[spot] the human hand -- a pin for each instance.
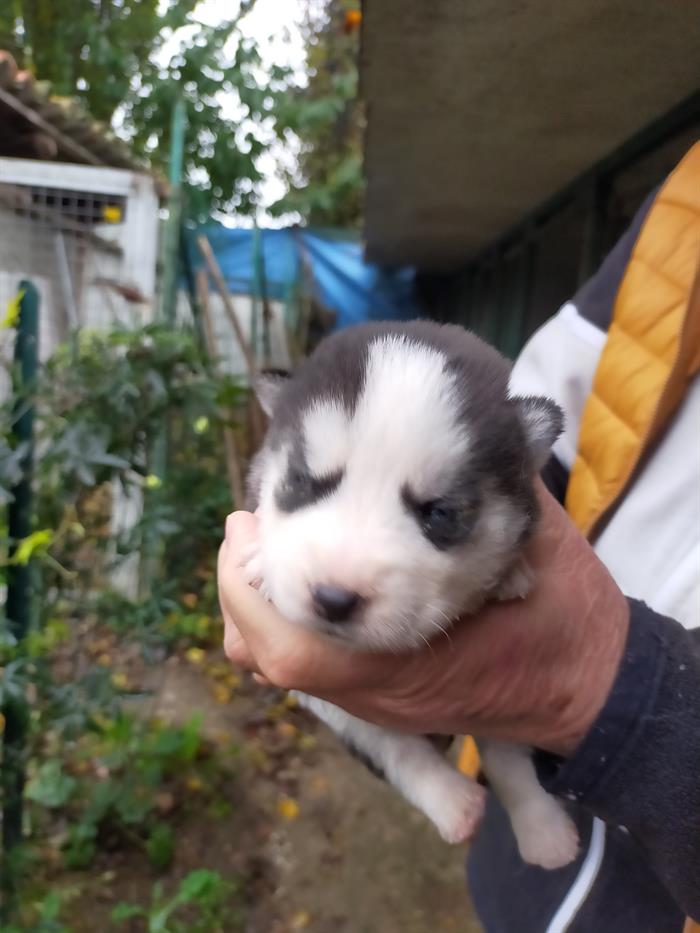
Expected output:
(536, 672)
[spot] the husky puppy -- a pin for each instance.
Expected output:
(395, 494)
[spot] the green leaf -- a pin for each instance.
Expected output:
(50, 786)
(13, 309)
(125, 911)
(81, 849)
(35, 543)
(200, 885)
(160, 845)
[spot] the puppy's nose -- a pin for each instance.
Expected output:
(334, 603)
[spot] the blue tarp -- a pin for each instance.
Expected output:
(355, 290)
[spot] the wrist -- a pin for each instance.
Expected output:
(590, 680)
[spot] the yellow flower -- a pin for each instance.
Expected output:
(194, 784)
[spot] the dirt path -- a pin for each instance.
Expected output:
(323, 845)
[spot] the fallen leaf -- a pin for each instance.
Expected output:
(288, 808)
(222, 693)
(120, 680)
(287, 729)
(300, 920)
(195, 655)
(320, 785)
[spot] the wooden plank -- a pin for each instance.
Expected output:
(216, 274)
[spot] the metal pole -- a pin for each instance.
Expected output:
(171, 244)
(19, 588)
(167, 313)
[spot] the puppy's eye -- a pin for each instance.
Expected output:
(436, 517)
(443, 522)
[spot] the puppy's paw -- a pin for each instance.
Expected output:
(457, 807)
(546, 834)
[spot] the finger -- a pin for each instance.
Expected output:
(241, 534)
(235, 647)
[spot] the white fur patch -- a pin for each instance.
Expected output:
(405, 420)
(326, 437)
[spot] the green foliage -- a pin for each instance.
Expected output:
(46, 917)
(89, 50)
(221, 148)
(326, 188)
(115, 56)
(103, 401)
(160, 845)
(50, 786)
(119, 767)
(203, 896)
(99, 778)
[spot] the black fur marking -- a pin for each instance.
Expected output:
(441, 742)
(365, 760)
(299, 488)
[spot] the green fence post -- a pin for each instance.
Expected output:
(167, 313)
(19, 585)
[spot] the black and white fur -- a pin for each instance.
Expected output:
(395, 494)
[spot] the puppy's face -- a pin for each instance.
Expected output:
(395, 488)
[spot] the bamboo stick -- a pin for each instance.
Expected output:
(233, 463)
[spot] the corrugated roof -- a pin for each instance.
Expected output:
(34, 124)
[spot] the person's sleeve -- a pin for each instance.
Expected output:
(639, 766)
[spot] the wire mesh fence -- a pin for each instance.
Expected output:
(56, 238)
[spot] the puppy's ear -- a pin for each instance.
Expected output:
(543, 421)
(267, 387)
